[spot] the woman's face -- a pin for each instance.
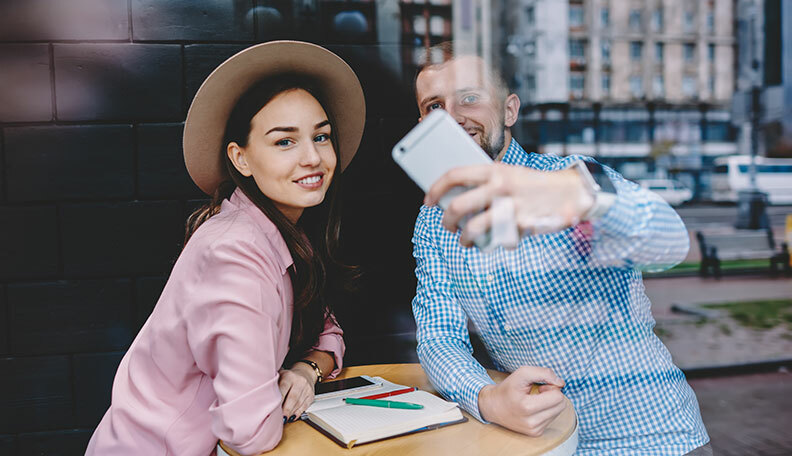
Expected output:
(289, 152)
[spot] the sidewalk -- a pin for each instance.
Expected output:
(747, 414)
(721, 341)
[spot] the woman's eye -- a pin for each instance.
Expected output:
(434, 106)
(283, 142)
(323, 137)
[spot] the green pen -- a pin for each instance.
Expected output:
(385, 404)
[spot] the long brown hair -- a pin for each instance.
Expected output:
(312, 241)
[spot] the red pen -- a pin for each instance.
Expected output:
(389, 394)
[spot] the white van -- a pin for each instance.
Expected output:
(670, 190)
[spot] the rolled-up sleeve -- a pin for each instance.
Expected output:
(232, 331)
(332, 341)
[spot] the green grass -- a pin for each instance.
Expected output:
(764, 314)
(725, 266)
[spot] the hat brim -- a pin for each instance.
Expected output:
(204, 129)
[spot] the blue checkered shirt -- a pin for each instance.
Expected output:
(572, 301)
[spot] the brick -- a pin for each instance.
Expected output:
(57, 443)
(8, 444)
(66, 317)
(35, 394)
(161, 170)
(68, 162)
(148, 291)
(101, 240)
(59, 20)
(28, 242)
(200, 60)
(3, 322)
(387, 94)
(118, 82)
(93, 385)
(196, 20)
(275, 20)
(25, 87)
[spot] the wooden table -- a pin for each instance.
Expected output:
(470, 438)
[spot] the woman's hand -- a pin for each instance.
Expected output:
(297, 390)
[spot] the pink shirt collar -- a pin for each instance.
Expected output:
(241, 201)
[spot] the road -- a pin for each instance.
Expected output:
(703, 216)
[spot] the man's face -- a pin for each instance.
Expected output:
(463, 88)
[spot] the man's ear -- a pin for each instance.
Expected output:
(511, 110)
(237, 156)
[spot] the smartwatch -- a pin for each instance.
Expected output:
(599, 186)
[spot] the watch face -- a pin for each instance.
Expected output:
(600, 177)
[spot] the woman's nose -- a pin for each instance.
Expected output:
(310, 156)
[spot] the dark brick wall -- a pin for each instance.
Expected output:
(94, 193)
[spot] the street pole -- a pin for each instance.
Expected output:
(751, 213)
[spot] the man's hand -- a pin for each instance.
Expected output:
(544, 201)
(510, 404)
(297, 389)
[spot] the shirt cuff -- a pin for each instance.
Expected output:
(473, 385)
(620, 218)
(334, 344)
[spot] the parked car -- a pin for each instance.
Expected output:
(670, 190)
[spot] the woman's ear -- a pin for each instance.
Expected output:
(237, 156)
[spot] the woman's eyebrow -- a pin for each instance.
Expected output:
(287, 129)
(322, 124)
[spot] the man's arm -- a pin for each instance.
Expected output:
(444, 347)
(639, 230)
(446, 354)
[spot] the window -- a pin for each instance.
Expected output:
(689, 86)
(657, 20)
(635, 20)
(689, 52)
(635, 50)
(576, 15)
(636, 86)
(710, 22)
(606, 84)
(577, 52)
(711, 86)
(689, 21)
(658, 86)
(606, 51)
(530, 15)
(711, 53)
(659, 52)
(605, 17)
(530, 82)
(576, 84)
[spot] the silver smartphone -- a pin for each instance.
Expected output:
(432, 148)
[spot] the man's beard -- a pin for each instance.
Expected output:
(493, 147)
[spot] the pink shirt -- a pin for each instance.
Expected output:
(205, 365)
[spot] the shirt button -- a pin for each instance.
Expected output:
(507, 328)
(490, 277)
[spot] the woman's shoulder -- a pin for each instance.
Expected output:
(234, 232)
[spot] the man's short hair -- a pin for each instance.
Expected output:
(444, 52)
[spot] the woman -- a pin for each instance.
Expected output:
(243, 331)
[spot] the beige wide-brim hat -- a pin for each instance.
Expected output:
(204, 129)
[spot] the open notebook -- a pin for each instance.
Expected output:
(351, 425)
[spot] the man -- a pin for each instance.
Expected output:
(567, 307)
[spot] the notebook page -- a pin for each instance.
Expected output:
(355, 421)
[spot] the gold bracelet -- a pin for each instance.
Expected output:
(316, 368)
